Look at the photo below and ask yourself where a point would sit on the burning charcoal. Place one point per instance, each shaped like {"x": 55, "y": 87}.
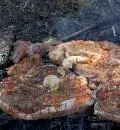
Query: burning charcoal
{"x": 29, "y": 92}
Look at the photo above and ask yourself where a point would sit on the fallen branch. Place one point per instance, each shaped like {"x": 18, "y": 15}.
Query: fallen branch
{"x": 101, "y": 25}
{"x": 72, "y": 36}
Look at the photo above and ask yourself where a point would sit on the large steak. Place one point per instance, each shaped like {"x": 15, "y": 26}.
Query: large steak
{"x": 99, "y": 62}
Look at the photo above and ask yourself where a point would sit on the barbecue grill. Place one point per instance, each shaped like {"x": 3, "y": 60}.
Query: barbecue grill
{"x": 108, "y": 30}
{"x": 76, "y": 122}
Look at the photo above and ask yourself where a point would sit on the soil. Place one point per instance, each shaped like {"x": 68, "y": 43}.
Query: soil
{"x": 37, "y": 20}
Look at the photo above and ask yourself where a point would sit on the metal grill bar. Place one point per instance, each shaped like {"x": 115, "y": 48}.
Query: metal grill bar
{"x": 75, "y": 122}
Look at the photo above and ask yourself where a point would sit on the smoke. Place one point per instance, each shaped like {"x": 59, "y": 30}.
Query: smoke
{"x": 101, "y": 18}
{"x": 35, "y": 20}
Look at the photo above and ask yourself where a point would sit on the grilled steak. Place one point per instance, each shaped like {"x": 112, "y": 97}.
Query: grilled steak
{"x": 99, "y": 62}
{"x": 85, "y": 70}
{"x": 37, "y": 91}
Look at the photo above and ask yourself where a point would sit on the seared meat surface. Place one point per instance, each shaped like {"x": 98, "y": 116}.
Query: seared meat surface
{"x": 34, "y": 90}
{"x": 80, "y": 73}
{"x": 99, "y": 62}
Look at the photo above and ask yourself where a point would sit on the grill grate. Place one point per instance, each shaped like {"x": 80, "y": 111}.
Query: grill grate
{"x": 75, "y": 122}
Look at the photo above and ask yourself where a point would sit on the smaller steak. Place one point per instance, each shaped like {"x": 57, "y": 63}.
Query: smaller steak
{"x": 37, "y": 91}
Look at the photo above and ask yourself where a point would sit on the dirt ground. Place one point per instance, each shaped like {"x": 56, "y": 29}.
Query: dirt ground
{"x": 36, "y": 20}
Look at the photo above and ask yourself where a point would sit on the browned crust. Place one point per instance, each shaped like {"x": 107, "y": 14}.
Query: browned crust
{"x": 101, "y": 68}
{"x": 87, "y": 48}
{"x": 45, "y": 115}
{"x": 98, "y": 53}
{"x": 107, "y": 102}
{"x": 73, "y": 90}
{"x": 105, "y": 115}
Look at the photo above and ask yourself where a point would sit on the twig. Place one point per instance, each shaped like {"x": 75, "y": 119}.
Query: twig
{"x": 100, "y": 25}
{"x": 70, "y": 37}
